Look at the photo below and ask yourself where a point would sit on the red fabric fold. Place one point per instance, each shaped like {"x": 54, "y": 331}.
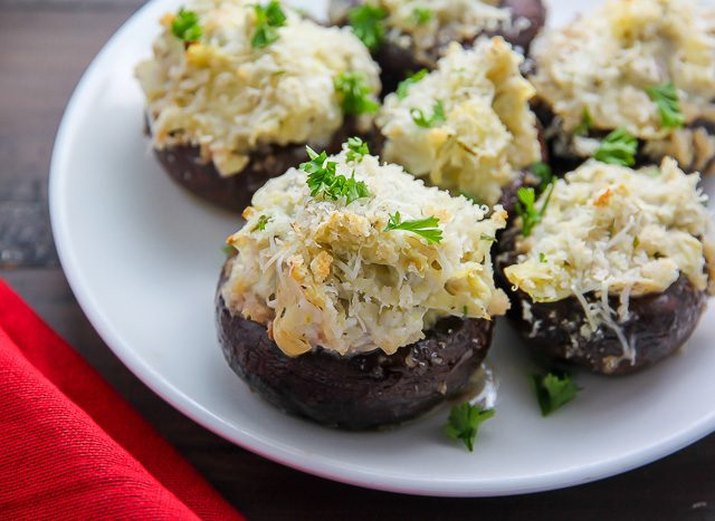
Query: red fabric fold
{"x": 72, "y": 448}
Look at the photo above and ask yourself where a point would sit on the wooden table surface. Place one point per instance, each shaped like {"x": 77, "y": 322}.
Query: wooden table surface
{"x": 44, "y": 47}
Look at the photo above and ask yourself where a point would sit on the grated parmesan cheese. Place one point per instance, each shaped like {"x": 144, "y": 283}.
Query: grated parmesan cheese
{"x": 602, "y": 63}
{"x": 227, "y": 98}
{"x": 322, "y": 273}
{"x": 611, "y": 230}
{"x": 449, "y": 20}
{"x": 489, "y": 133}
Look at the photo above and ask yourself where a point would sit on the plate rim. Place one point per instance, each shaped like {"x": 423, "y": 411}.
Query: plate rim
{"x": 329, "y": 468}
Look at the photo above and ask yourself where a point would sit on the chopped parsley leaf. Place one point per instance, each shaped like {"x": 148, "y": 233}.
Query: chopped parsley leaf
{"x": 422, "y": 15}
{"x": 438, "y": 116}
{"x": 666, "y": 98}
{"x": 464, "y": 421}
{"x": 553, "y": 391}
{"x": 357, "y": 149}
{"x": 368, "y": 23}
{"x": 186, "y": 26}
{"x": 542, "y": 257}
{"x": 427, "y": 228}
{"x": 324, "y": 181}
{"x": 618, "y": 148}
{"x": 405, "y": 84}
{"x": 487, "y": 238}
{"x": 355, "y": 95}
{"x": 585, "y": 125}
{"x": 268, "y": 19}
{"x": 544, "y": 173}
{"x": 526, "y": 208}
{"x": 261, "y": 224}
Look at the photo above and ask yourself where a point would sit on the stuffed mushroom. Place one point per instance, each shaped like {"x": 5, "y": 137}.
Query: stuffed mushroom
{"x": 611, "y": 268}
{"x": 235, "y": 90}
{"x": 408, "y": 35}
{"x": 467, "y": 126}
{"x": 631, "y": 83}
{"x": 357, "y": 297}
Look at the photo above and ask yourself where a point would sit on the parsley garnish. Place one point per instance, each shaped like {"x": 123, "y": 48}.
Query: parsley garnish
{"x": 405, "y": 84}
{"x": 542, "y": 257}
{"x": 544, "y": 173}
{"x": 357, "y": 149}
{"x": 618, "y": 148}
{"x": 487, "y": 238}
{"x": 423, "y": 121}
{"x": 355, "y": 95}
{"x": 261, "y": 224}
{"x": 186, "y": 26}
{"x": 464, "y": 421}
{"x": 323, "y": 180}
{"x": 422, "y": 15}
{"x": 427, "y": 228}
{"x": 666, "y": 98}
{"x": 585, "y": 125}
{"x": 526, "y": 208}
{"x": 553, "y": 391}
{"x": 268, "y": 19}
{"x": 368, "y": 24}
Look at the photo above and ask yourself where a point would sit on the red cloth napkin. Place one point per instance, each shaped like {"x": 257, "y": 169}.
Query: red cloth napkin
{"x": 71, "y": 448}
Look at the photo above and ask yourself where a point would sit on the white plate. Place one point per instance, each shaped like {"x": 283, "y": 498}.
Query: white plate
{"x": 143, "y": 258}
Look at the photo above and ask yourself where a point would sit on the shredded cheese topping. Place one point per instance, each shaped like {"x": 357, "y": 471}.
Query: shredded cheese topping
{"x": 489, "y": 132}
{"x": 229, "y": 98}
{"x": 616, "y": 231}
{"x": 448, "y": 20}
{"x": 323, "y": 273}
{"x": 603, "y": 63}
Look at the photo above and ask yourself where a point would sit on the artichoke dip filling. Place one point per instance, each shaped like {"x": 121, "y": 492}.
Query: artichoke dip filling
{"x": 352, "y": 255}
{"x": 230, "y": 76}
{"x": 610, "y": 230}
{"x": 467, "y": 126}
{"x": 424, "y": 25}
{"x": 646, "y": 67}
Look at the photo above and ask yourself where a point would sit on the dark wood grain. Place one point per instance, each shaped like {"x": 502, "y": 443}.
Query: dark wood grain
{"x": 44, "y": 46}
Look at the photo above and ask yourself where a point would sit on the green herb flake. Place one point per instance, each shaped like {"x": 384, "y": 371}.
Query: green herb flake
{"x": 553, "y": 391}
{"x": 404, "y": 85}
{"x": 544, "y": 173}
{"x": 355, "y": 96}
{"x": 269, "y": 18}
{"x": 324, "y": 181}
{"x": 636, "y": 242}
{"x": 422, "y": 15}
{"x": 427, "y": 228}
{"x": 186, "y": 26}
{"x": 464, "y": 422}
{"x": 526, "y": 208}
{"x": 368, "y": 23}
{"x": 586, "y": 124}
{"x": 438, "y": 116}
{"x": 357, "y": 149}
{"x": 666, "y": 99}
{"x": 228, "y": 249}
{"x": 542, "y": 257}
{"x": 465, "y": 310}
{"x": 261, "y": 224}
{"x": 618, "y": 148}
{"x": 487, "y": 238}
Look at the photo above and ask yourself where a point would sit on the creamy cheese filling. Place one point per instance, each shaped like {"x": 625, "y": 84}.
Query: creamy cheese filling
{"x": 322, "y": 273}
{"x": 229, "y": 98}
{"x": 488, "y": 132}
{"x": 425, "y": 25}
{"x": 603, "y": 62}
{"x": 616, "y": 231}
